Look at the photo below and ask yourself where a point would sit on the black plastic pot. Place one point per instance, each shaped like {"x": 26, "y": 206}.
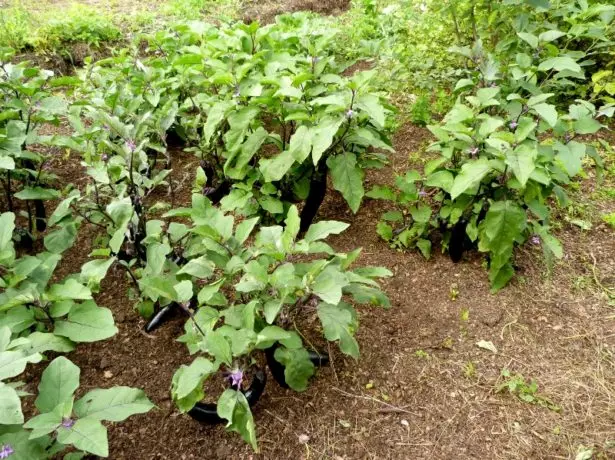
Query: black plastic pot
{"x": 207, "y": 412}
{"x": 318, "y": 190}
{"x": 457, "y": 243}
{"x": 215, "y": 194}
{"x": 40, "y": 215}
{"x": 277, "y": 369}
{"x": 166, "y": 313}
{"x": 160, "y": 317}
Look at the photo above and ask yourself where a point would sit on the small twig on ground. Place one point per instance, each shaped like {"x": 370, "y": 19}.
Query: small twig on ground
{"x": 369, "y": 398}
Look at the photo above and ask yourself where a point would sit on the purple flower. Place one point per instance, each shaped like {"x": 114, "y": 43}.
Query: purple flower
{"x": 423, "y": 193}
{"x": 535, "y": 240}
{"x": 315, "y": 59}
{"x": 67, "y": 422}
{"x": 235, "y": 377}
{"x": 513, "y": 125}
{"x": 104, "y": 157}
{"x": 350, "y": 113}
{"x": 6, "y": 451}
{"x": 131, "y": 145}
{"x": 473, "y": 152}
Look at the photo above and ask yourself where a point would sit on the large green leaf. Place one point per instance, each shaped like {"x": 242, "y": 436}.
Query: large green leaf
{"x": 87, "y": 322}
{"x": 192, "y": 376}
{"x": 13, "y": 363}
{"x": 37, "y": 193}
{"x": 339, "y": 322}
{"x": 521, "y": 162}
{"x": 69, "y": 290}
{"x": 472, "y": 173}
{"x": 298, "y": 368}
{"x": 87, "y": 434}
{"x": 10, "y": 406}
{"x": 301, "y": 144}
{"x": 233, "y": 406}
{"x": 347, "y": 178}
{"x": 560, "y": 63}
{"x": 113, "y": 404}
{"x": 321, "y": 230}
{"x": 58, "y": 384}
{"x": 547, "y": 112}
{"x": 503, "y": 225}
{"x": 329, "y": 283}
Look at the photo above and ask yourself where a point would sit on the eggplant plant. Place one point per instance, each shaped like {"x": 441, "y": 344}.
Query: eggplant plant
{"x": 506, "y": 151}
{"x": 54, "y": 314}
{"x": 245, "y": 293}
{"x": 269, "y": 116}
{"x": 63, "y": 421}
{"x": 27, "y": 103}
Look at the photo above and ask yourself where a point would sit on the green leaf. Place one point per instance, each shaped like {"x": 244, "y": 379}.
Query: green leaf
{"x": 44, "y": 424}
{"x": 94, "y": 271}
{"x": 114, "y": 404}
{"x": 200, "y": 267}
{"x": 441, "y": 179}
{"x": 58, "y": 384}
{"x": 347, "y": 178}
{"x": 587, "y": 125}
{"x": 322, "y": 137}
{"x": 321, "y": 230}
{"x": 24, "y": 448}
{"x": 192, "y": 377}
{"x": 298, "y": 368}
{"x": 521, "y": 162}
{"x": 233, "y": 406}
{"x": 69, "y": 290}
{"x": 547, "y": 112}
{"x": 86, "y": 434}
{"x": 158, "y": 287}
{"x": 472, "y": 173}
{"x": 41, "y": 342}
{"x": 274, "y": 169}
{"x": 244, "y": 229}
{"x": 560, "y": 63}
{"x": 550, "y": 35}
{"x": 339, "y": 322}
{"x": 10, "y": 406}
{"x": 329, "y": 283}
{"x": 503, "y": 225}
{"x": 531, "y": 39}
{"x": 269, "y": 335}
{"x": 370, "y": 103}
{"x": 381, "y": 192}
{"x": 37, "y": 193}
{"x": 301, "y": 144}
{"x": 218, "y": 347}
{"x": 13, "y": 363}
{"x": 87, "y": 322}
{"x": 291, "y": 230}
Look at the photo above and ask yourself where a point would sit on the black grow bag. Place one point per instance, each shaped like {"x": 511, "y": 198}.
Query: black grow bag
{"x": 277, "y": 369}
{"x": 208, "y": 413}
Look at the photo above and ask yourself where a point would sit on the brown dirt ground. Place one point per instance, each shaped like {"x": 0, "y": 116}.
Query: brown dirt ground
{"x": 394, "y": 403}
